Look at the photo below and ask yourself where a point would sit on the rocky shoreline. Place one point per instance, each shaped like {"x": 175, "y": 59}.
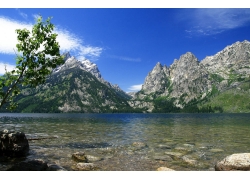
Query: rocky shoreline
{"x": 15, "y": 145}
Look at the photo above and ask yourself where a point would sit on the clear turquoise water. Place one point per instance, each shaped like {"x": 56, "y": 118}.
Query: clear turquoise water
{"x": 200, "y": 139}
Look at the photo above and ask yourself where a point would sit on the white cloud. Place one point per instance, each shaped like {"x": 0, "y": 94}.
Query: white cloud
{"x": 214, "y": 21}
{"x": 68, "y": 41}
{"x": 25, "y": 16}
{"x": 135, "y": 87}
{"x": 8, "y": 34}
{"x": 8, "y": 67}
{"x": 125, "y": 58}
{"x": 35, "y": 16}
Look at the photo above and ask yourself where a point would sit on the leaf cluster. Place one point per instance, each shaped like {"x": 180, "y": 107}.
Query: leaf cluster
{"x": 38, "y": 54}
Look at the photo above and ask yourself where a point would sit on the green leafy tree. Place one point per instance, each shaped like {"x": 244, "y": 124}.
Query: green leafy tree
{"x": 38, "y": 54}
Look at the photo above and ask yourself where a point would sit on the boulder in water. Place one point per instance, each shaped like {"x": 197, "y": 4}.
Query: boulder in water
{"x": 79, "y": 157}
{"x": 234, "y": 162}
{"x": 13, "y": 144}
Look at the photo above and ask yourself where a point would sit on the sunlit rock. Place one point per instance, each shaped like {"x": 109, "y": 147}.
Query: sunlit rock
{"x": 85, "y": 167}
{"x": 234, "y": 162}
{"x": 79, "y": 157}
{"x": 164, "y": 169}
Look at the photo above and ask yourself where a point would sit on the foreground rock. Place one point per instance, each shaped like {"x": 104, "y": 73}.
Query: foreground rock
{"x": 93, "y": 158}
{"x": 164, "y": 169}
{"x": 234, "y": 162}
{"x": 30, "y": 165}
{"x": 85, "y": 167}
{"x": 79, "y": 157}
{"x": 13, "y": 144}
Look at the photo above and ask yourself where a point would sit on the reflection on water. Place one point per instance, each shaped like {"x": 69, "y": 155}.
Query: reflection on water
{"x": 177, "y": 141}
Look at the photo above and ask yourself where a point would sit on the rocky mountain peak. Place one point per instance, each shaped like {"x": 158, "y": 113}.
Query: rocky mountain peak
{"x": 232, "y": 58}
{"x": 155, "y": 79}
{"x": 66, "y": 56}
{"x": 188, "y": 58}
{"x": 86, "y": 65}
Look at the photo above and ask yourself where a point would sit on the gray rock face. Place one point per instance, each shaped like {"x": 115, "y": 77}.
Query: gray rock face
{"x": 156, "y": 79}
{"x": 234, "y": 162}
{"x": 188, "y": 79}
{"x": 235, "y": 57}
{"x": 13, "y": 144}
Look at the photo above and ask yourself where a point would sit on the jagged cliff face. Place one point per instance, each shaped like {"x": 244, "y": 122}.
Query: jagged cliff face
{"x": 233, "y": 58}
{"x": 188, "y": 79}
{"x": 155, "y": 79}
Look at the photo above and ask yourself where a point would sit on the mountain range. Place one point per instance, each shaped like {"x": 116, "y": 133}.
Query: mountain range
{"x": 219, "y": 83}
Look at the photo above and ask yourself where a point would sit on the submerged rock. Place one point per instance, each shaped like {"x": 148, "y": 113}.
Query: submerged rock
{"x": 13, "y": 144}
{"x": 174, "y": 154}
{"x": 183, "y": 149}
{"x": 139, "y": 144}
{"x": 164, "y": 146}
{"x": 189, "y": 160}
{"x": 79, "y": 157}
{"x": 30, "y": 165}
{"x": 163, "y": 158}
{"x": 234, "y": 162}
{"x": 216, "y": 150}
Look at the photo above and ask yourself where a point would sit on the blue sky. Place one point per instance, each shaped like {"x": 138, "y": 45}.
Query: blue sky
{"x": 126, "y": 43}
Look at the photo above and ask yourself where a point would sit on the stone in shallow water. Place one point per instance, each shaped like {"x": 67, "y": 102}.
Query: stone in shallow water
{"x": 164, "y": 169}
{"x": 93, "y": 158}
{"x": 183, "y": 149}
{"x": 216, "y": 150}
{"x": 13, "y": 144}
{"x": 174, "y": 154}
{"x": 30, "y": 165}
{"x": 188, "y": 145}
{"x": 163, "y": 158}
{"x": 139, "y": 144}
{"x": 189, "y": 160}
{"x": 79, "y": 157}
{"x": 164, "y": 146}
{"x": 234, "y": 162}
{"x": 85, "y": 167}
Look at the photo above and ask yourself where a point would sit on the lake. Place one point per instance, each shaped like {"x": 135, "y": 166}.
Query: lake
{"x": 133, "y": 142}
